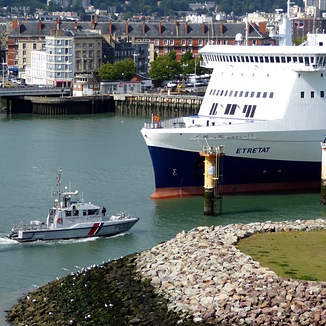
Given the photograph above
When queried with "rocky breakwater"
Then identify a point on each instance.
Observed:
(207, 279)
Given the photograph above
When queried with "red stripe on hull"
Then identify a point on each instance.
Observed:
(164, 193)
(93, 229)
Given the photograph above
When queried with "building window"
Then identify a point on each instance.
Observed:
(190, 42)
(34, 46)
(312, 94)
(165, 42)
(157, 42)
(183, 42)
(322, 93)
(24, 45)
(171, 42)
(302, 94)
(200, 42)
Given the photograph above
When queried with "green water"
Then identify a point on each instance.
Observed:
(105, 158)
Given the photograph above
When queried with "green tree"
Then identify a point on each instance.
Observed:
(164, 68)
(105, 72)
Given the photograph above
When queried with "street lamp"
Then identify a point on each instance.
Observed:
(195, 73)
(3, 72)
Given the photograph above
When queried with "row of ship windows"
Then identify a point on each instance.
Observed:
(312, 94)
(218, 92)
(266, 59)
(248, 110)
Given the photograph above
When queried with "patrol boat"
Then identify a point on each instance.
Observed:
(71, 218)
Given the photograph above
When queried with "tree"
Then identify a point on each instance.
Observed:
(106, 71)
(164, 68)
(120, 70)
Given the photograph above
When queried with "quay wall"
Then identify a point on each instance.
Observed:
(140, 105)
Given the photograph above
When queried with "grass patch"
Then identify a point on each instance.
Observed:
(297, 254)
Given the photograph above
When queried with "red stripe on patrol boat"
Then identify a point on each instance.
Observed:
(93, 229)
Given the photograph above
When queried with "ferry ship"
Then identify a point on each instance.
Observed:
(265, 104)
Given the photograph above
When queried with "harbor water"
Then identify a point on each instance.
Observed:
(106, 159)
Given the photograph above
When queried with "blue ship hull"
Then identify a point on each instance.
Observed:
(180, 173)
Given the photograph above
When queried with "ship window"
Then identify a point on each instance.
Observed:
(68, 213)
(271, 94)
(277, 59)
(221, 93)
(264, 94)
(301, 59)
(244, 108)
(217, 92)
(312, 59)
(258, 94)
(295, 59)
(227, 110)
(247, 59)
(210, 93)
(231, 92)
(312, 94)
(238, 59)
(234, 59)
(272, 59)
(84, 212)
(306, 61)
(266, 59)
(253, 111)
(212, 108)
(226, 93)
(321, 75)
(251, 59)
(302, 94)
(234, 106)
(241, 93)
(246, 94)
(76, 212)
(288, 59)
(248, 111)
(256, 59)
(214, 91)
(322, 94)
(215, 107)
(235, 93)
(252, 94)
(261, 59)
(242, 58)
(283, 59)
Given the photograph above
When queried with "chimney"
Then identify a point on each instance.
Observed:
(76, 25)
(248, 28)
(222, 28)
(177, 28)
(110, 27)
(262, 27)
(203, 28)
(93, 24)
(19, 27)
(186, 27)
(39, 25)
(127, 28)
(160, 28)
(144, 28)
(14, 24)
(58, 24)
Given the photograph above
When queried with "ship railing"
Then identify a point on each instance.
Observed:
(171, 123)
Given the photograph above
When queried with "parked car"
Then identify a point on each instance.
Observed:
(171, 84)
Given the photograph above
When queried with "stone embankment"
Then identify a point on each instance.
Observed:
(206, 278)
(197, 278)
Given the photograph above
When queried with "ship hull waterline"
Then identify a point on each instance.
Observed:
(240, 175)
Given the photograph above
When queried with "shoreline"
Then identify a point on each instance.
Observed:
(199, 277)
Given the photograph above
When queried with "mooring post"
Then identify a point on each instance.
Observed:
(213, 180)
(323, 174)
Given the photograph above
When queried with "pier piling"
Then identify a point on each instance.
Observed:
(323, 174)
(213, 181)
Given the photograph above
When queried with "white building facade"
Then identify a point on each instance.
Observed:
(59, 58)
(36, 73)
